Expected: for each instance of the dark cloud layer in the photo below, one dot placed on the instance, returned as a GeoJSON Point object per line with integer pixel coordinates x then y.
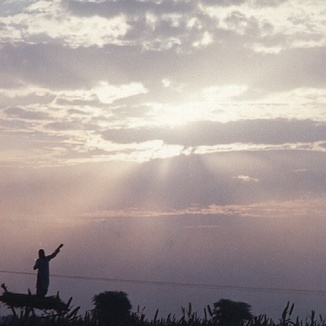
{"type": "Point", "coordinates": [212, 133]}
{"type": "Point", "coordinates": [114, 8]}
{"type": "Point", "coordinates": [60, 67]}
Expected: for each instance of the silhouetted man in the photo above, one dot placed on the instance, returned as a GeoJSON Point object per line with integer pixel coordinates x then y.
{"type": "Point", "coordinates": [43, 273]}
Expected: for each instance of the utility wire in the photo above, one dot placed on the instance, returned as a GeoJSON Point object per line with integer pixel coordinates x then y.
{"type": "Point", "coordinates": [181, 284]}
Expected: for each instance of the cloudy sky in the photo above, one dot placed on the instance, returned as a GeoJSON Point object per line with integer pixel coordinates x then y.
{"type": "Point", "coordinates": [167, 141]}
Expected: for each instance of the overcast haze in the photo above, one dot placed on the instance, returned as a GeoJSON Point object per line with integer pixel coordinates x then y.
{"type": "Point", "coordinates": [166, 141]}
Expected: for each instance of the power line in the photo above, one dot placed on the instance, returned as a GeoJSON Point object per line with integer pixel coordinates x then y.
{"type": "Point", "coordinates": [183, 284]}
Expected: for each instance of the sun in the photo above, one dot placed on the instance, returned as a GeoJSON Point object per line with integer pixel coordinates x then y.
{"type": "Point", "coordinates": [215, 103]}
{"type": "Point", "coordinates": [176, 114]}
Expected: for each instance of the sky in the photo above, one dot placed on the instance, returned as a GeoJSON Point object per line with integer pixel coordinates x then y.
{"type": "Point", "coordinates": [174, 141]}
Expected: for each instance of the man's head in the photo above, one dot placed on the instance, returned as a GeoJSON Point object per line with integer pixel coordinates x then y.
{"type": "Point", "coordinates": [41, 253]}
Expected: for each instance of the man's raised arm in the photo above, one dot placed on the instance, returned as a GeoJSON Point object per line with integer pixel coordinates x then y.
{"type": "Point", "coordinates": [56, 251]}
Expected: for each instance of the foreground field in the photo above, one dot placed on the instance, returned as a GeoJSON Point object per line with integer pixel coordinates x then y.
{"type": "Point", "coordinates": [139, 319]}
{"type": "Point", "coordinates": [113, 308]}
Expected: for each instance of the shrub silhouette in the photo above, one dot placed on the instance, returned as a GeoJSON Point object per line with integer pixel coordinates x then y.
{"type": "Point", "coordinates": [111, 308]}
{"type": "Point", "coordinates": [231, 313]}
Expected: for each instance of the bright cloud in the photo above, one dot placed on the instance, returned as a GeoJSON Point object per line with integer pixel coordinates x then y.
{"type": "Point", "coordinates": [289, 24]}
{"type": "Point", "coordinates": [107, 93]}
{"type": "Point", "coordinates": [44, 21]}
{"type": "Point", "coordinates": [246, 178]}
{"type": "Point", "coordinates": [203, 62]}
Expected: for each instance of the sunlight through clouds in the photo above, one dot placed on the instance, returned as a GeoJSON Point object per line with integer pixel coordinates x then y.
{"type": "Point", "coordinates": [176, 114]}
{"type": "Point", "coordinates": [165, 134]}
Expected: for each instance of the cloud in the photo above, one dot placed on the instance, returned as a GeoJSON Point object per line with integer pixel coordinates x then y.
{"type": "Point", "coordinates": [278, 131]}
{"type": "Point", "coordinates": [164, 26]}
{"type": "Point", "coordinates": [26, 115]}
{"type": "Point", "coordinates": [107, 93]}
{"type": "Point", "coordinates": [246, 178]}
{"type": "Point", "coordinates": [224, 3]}
{"type": "Point", "coordinates": [146, 80]}
{"type": "Point", "coordinates": [113, 8]}
{"type": "Point", "coordinates": [102, 92]}
{"type": "Point", "coordinates": [44, 21]}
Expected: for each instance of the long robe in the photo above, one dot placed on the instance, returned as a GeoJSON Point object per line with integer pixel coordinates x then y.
{"type": "Point", "coordinates": [43, 273]}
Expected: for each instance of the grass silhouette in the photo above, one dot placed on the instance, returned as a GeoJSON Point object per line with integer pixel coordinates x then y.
{"type": "Point", "coordinates": [49, 315]}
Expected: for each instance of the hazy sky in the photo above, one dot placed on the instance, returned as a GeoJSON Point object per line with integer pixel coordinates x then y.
{"type": "Point", "coordinates": [165, 140]}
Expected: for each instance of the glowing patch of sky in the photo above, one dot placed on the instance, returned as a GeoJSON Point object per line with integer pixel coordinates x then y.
{"type": "Point", "coordinates": [214, 104]}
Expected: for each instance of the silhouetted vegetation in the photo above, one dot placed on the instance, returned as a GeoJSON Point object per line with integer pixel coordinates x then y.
{"type": "Point", "coordinates": [111, 308]}
{"type": "Point", "coordinates": [231, 313]}
{"type": "Point", "coordinates": [114, 309]}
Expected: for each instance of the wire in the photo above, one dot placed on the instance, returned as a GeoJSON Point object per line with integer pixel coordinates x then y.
{"type": "Point", "coordinates": [180, 284]}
